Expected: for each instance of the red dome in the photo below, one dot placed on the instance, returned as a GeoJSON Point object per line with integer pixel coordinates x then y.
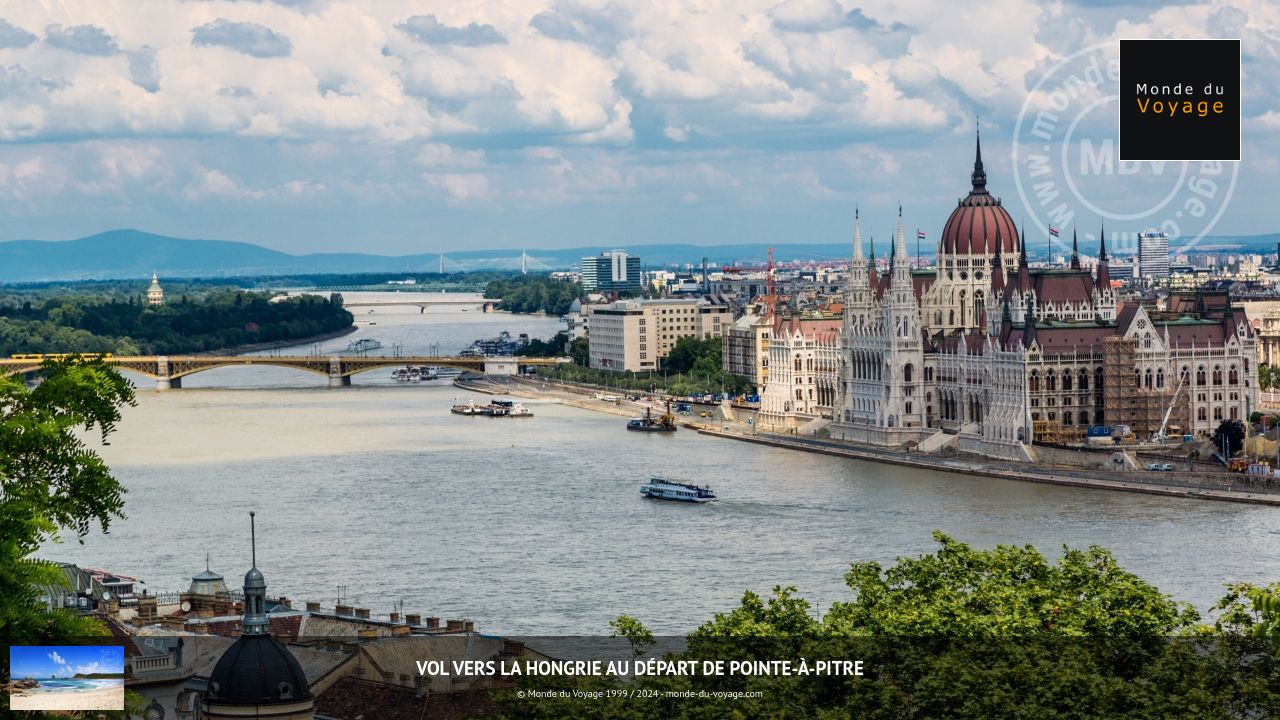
{"type": "Point", "coordinates": [979, 219]}
{"type": "Point", "coordinates": [982, 218]}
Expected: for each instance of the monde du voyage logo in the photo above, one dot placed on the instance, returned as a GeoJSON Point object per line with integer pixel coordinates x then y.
{"type": "Point", "coordinates": [1180, 100]}
{"type": "Point", "coordinates": [1132, 134]}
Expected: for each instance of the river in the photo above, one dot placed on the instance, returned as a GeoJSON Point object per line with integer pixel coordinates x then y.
{"type": "Point", "coordinates": [535, 526]}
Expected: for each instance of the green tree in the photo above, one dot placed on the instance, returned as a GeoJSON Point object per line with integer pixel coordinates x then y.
{"type": "Point", "coordinates": [1230, 434]}
{"type": "Point", "coordinates": [964, 633]}
{"type": "Point", "coordinates": [634, 631]}
{"type": "Point", "coordinates": [51, 482]}
{"type": "Point", "coordinates": [580, 351]}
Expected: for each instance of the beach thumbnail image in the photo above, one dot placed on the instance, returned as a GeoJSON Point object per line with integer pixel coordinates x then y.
{"type": "Point", "coordinates": [66, 677]}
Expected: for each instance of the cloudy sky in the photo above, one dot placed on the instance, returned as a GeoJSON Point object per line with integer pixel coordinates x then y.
{"type": "Point", "coordinates": [397, 126]}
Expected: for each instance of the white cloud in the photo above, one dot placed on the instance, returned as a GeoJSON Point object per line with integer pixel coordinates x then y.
{"type": "Point", "coordinates": [54, 656]}
{"type": "Point", "coordinates": [461, 188]}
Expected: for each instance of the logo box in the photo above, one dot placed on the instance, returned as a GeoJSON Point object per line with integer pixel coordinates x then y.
{"type": "Point", "coordinates": [1180, 100]}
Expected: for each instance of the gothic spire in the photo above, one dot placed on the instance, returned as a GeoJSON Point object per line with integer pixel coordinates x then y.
{"type": "Point", "coordinates": [1075, 249]}
{"type": "Point", "coordinates": [979, 174]}
{"type": "Point", "coordinates": [857, 237]}
{"type": "Point", "coordinates": [1028, 330]}
{"type": "Point", "coordinates": [1104, 267]}
{"type": "Point", "coordinates": [997, 266]}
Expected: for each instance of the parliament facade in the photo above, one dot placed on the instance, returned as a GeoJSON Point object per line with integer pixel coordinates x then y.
{"type": "Point", "coordinates": [998, 354]}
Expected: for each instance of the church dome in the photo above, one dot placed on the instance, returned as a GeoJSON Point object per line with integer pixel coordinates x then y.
{"type": "Point", "coordinates": [979, 220]}
{"type": "Point", "coordinates": [257, 670]}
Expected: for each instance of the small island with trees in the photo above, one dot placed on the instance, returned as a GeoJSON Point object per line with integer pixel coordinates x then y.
{"type": "Point", "coordinates": [115, 318]}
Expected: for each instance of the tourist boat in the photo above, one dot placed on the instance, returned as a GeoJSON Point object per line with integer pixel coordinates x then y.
{"type": "Point", "coordinates": [663, 489]}
{"type": "Point", "coordinates": [666, 422]}
{"type": "Point", "coordinates": [408, 374]}
{"type": "Point", "coordinates": [363, 345]}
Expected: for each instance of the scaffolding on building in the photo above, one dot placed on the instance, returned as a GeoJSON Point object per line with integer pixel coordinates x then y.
{"type": "Point", "coordinates": [1140, 405]}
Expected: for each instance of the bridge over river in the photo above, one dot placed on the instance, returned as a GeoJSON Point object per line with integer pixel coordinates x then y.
{"type": "Point", "coordinates": [168, 371]}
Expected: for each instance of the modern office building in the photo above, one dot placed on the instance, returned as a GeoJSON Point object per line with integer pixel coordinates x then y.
{"type": "Point", "coordinates": [612, 273]}
{"type": "Point", "coordinates": [635, 335]}
{"type": "Point", "coordinates": [1153, 254]}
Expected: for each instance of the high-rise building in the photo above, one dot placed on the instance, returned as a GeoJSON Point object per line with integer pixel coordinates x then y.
{"type": "Point", "coordinates": [612, 272]}
{"type": "Point", "coordinates": [1153, 254]}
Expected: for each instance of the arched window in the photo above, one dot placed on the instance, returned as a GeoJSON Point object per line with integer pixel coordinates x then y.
{"type": "Point", "coordinates": [799, 364]}
{"type": "Point", "coordinates": [1200, 375]}
{"type": "Point", "coordinates": [1066, 418]}
{"type": "Point", "coordinates": [951, 317]}
{"type": "Point", "coordinates": [907, 372]}
{"type": "Point", "coordinates": [1084, 379]}
{"type": "Point", "coordinates": [1160, 378]}
{"type": "Point", "coordinates": [1232, 376]}
{"type": "Point", "coordinates": [1066, 380]}
{"type": "Point", "coordinates": [1217, 374]}
{"type": "Point", "coordinates": [937, 317]}
{"type": "Point", "coordinates": [1201, 415]}
{"type": "Point", "coordinates": [1050, 382]}
{"type": "Point", "coordinates": [1035, 381]}
{"type": "Point", "coordinates": [1149, 375]}
{"type": "Point", "coordinates": [1217, 413]}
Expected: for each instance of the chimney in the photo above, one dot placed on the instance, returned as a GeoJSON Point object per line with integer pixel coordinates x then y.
{"type": "Point", "coordinates": [343, 610]}
{"type": "Point", "coordinates": [362, 613]}
{"type": "Point", "coordinates": [313, 607]}
{"type": "Point", "coordinates": [433, 622]}
{"type": "Point", "coordinates": [413, 619]}
{"type": "Point", "coordinates": [469, 626]}
{"type": "Point", "coordinates": [454, 625]}
{"type": "Point", "coordinates": [395, 617]}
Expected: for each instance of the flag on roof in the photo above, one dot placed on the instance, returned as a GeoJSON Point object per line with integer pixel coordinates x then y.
{"type": "Point", "coordinates": [920, 235]}
{"type": "Point", "coordinates": [1053, 231]}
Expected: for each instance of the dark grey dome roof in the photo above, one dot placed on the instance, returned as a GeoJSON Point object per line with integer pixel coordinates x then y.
{"type": "Point", "coordinates": [207, 575]}
{"type": "Point", "coordinates": [257, 670]}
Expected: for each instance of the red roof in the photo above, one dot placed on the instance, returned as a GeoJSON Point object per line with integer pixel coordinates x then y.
{"type": "Point", "coordinates": [1058, 286]}
{"type": "Point", "coordinates": [975, 224]}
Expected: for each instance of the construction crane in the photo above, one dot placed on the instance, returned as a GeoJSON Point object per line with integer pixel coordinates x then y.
{"type": "Point", "coordinates": [1160, 436]}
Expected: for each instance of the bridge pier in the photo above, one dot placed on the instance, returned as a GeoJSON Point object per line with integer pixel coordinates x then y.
{"type": "Point", "coordinates": [501, 366]}
{"type": "Point", "coordinates": [336, 377]}
{"type": "Point", "coordinates": [168, 383]}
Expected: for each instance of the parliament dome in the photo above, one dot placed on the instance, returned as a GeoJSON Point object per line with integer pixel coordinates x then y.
{"type": "Point", "coordinates": [979, 220]}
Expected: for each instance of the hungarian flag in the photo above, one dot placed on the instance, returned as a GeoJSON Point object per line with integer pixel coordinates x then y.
{"type": "Point", "coordinates": [920, 235]}
{"type": "Point", "coordinates": [1053, 231]}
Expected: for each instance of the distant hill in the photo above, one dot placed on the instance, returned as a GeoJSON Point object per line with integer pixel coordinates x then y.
{"type": "Point", "coordinates": [123, 254]}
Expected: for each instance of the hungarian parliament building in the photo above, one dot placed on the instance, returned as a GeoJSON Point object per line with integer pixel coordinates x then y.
{"type": "Point", "coordinates": [998, 354]}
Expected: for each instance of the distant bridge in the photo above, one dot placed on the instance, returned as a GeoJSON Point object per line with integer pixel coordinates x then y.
{"type": "Point", "coordinates": [423, 303]}
{"type": "Point", "coordinates": [168, 371]}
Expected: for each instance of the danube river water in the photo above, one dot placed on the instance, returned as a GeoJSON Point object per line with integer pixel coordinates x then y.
{"type": "Point", "coordinates": [536, 526]}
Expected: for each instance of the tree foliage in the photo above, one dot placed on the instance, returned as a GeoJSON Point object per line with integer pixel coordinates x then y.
{"type": "Point", "coordinates": [1229, 434]}
{"type": "Point", "coordinates": [534, 293]}
{"type": "Point", "coordinates": [51, 482]}
{"type": "Point", "coordinates": [210, 320]}
{"type": "Point", "coordinates": [968, 634]}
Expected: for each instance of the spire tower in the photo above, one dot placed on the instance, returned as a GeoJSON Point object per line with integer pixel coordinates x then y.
{"type": "Point", "coordinates": [979, 176]}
